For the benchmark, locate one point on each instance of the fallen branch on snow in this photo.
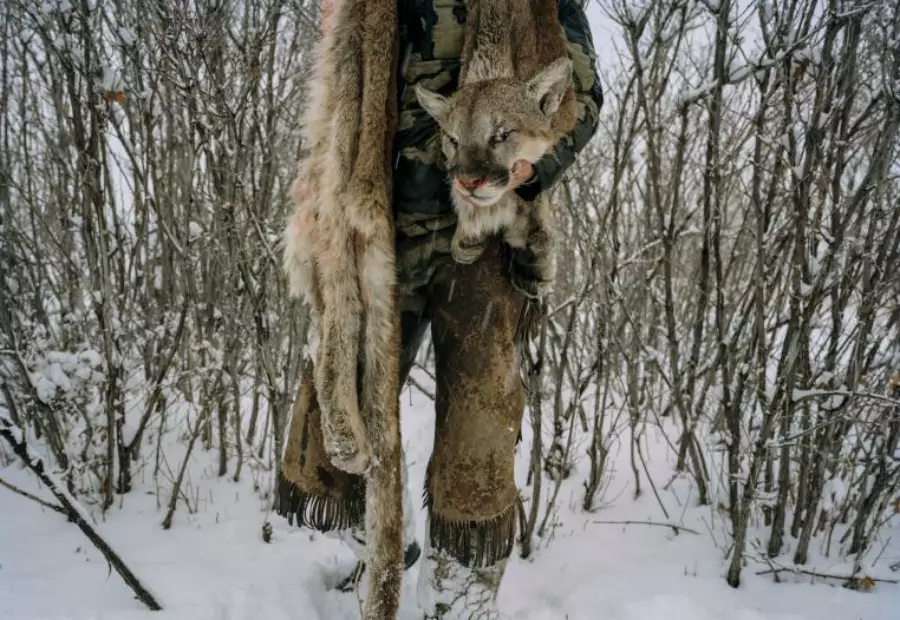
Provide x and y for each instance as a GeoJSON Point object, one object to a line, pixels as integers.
{"type": "Point", "coordinates": [14, 436]}
{"type": "Point", "coordinates": [803, 571]}
{"type": "Point", "coordinates": [676, 528]}
{"type": "Point", "coordinates": [34, 498]}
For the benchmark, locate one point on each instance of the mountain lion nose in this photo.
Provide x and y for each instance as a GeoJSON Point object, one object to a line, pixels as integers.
{"type": "Point", "coordinates": [471, 183]}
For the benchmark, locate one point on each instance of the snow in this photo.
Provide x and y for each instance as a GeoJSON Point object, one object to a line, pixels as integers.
{"type": "Point", "coordinates": [213, 565]}
{"type": "Point", "coordinates": [44, 387]}
{"type": "Point", "coordinates": [55, 6]}
{"type": "Point", "coordinates": [92, 358]}
{"type": "Point", "coordinates": [109, 79]}
{"type": "Point", "coordinates": [833, 494]}
{"type": "Point", "coordinates": [195, 230]}
{"type": "Point", "coordinates": [126, 35]}
{"type": "Point", "coordinates": [58, 373]}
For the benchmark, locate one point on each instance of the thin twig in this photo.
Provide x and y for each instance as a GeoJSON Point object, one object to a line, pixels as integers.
{"type": "Point", "coordinates": [34, 498]}
{"type": "Point", "coordinates": [799, 395]}
{"type": "Point", "coordinates": [420, 387]}
{"type": "Point", "coordinates": [812, 573]}
{"type": "Point", "coordinates": [677, 528]}
{"type": "Point", "coordinates": [160, 376]}
{"type": "Point", "coordinates": [426, 371]}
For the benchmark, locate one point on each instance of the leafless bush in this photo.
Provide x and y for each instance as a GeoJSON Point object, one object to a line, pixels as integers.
{"type": "Point", "coordinates": [737, 232]}
{"type": "Point", "coordinates": [148, 150]}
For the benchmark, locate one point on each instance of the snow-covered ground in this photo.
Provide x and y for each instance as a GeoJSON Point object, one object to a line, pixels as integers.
{"type": "Point", "coordinates": [213, 565]}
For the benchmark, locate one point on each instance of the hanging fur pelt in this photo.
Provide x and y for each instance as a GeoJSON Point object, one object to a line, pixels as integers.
{"type": "Point", "coordinates": [339, 256]}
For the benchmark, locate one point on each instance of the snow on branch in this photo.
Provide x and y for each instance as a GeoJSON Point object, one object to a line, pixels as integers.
{"type": "Point", "coordinates": [799, 394]}
{"type": "Point", "coordinates": [736, 76]}
{"type": "Point", "coordinates": [800, 51]}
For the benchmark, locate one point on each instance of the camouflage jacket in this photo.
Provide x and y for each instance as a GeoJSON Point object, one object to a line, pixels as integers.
{"type": "Point", "coordinates": [431, 37]}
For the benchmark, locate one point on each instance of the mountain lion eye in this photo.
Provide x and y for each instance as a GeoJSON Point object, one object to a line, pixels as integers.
{"type": "Point", "coordinates": [452, 140]}
{"type": "Point", "coordinates": [501, 135]}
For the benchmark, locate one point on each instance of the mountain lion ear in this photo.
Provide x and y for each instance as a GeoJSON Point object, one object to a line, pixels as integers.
{"type": "Point", "coordinates": [436, 105]}
{"type": "Point", "coordinates": [549, 86]}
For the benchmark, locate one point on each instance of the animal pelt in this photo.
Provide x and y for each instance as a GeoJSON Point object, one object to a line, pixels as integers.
{"type": "Point", "coordinates": [518, 39]}
{"type": "Point", "coordinates": [339, 256]}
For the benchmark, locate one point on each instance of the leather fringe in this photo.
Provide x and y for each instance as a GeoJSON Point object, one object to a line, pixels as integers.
{"type": "Point", "coordinates": [318, 512]}
{"type": "Point", "coordinates": [477, 544]}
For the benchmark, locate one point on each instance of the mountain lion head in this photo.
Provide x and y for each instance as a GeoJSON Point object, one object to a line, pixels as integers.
{"type": "Point", "coordinates": [487, 126]}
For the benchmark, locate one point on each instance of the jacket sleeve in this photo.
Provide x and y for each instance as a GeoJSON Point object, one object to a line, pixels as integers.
{"type": "Point", "coordinates": [588, 93]}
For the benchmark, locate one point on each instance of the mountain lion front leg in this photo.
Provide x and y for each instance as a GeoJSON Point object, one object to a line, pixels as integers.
{"type": "Point", "coordinates": [532, 240]}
